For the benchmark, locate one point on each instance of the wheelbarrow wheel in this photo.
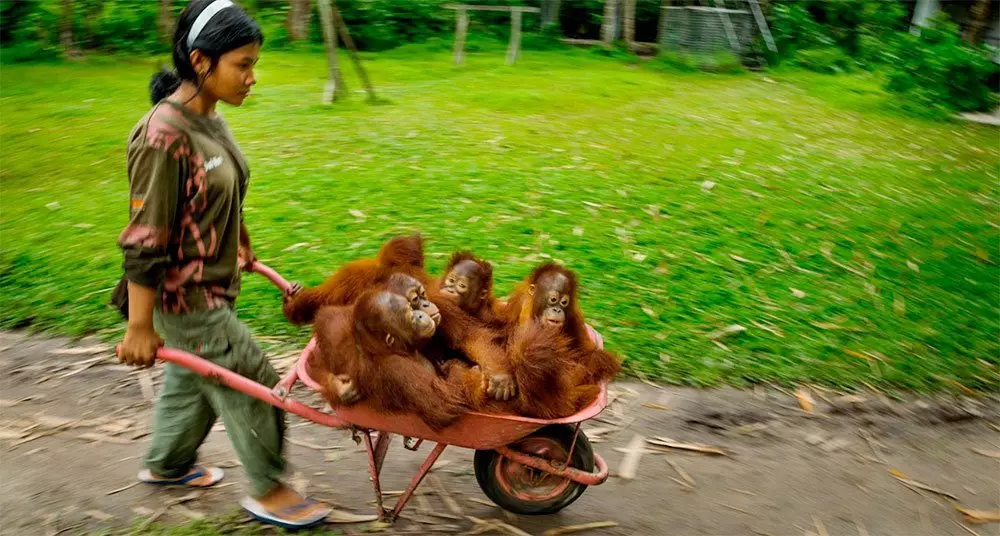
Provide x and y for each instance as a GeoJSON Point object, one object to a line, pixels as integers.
{"type": "Point", "coordinates": [527, 491]}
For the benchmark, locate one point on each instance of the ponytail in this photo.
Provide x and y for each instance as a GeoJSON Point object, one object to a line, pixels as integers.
{"type": "Point", "coordinates": [163, 84]}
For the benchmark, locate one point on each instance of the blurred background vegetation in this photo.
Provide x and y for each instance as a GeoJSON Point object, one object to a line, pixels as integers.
{"type": "Point", "coordinates": [820, 197]}
{"type": "Point", "coordinates": [945, 67]}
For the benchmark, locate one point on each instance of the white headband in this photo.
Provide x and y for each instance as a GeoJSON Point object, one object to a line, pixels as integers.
{"type": "Point", "coordinates": [203, 18]}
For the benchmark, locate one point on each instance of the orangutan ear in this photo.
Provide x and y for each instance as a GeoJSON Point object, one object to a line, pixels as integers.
{"type": "Point", "coordinates": [389, 339]}
{"type": "Point", "coordinates": [531, 290]}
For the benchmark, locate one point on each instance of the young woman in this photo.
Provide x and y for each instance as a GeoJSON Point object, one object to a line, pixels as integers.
{"type": "Point", "coordinates": [184, 247]}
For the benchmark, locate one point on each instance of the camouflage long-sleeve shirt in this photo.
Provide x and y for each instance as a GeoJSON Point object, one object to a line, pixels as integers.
{"type": "Point", "coordinates": [187, 182]}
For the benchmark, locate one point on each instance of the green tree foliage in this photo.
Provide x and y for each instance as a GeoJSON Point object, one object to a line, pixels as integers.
{"type": "Point", "coordinates": [937, 72]}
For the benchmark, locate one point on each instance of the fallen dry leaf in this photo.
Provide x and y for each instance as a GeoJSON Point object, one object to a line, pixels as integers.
{"type": "Point", "coordinates": [797, 293]}
{"type": "Point", "coordinates": [630, 463]}
{"type": "Point", "coordinates": [145, 377]}
{"type": "Point", "coordinates": [961, 526]}
{"type": "Point", "coordinates": [342, 517]}
{"type": "Point", "coordinates": [123, 488]}
{"type": "Point", "coordinates": [88, 350]}
{"type": "Point", "coordinates": [982, 254]}
{"type": "Point", "coordinates": [913, 266]}
{"type": "Point", "coordinates": [99, 515]}
{"type": "Point", "coordinates": [899, 305]}
{"type": "Point", "coordinates": [683, 474]}
{"type": "Point", "coordinates": [357, 213]}
{"type": "Point", "coordinates": [189, 513]}
{"type": "Point", "coordinates": [820, 528]}
{"type": "Point", "coordinates": [979, 516]}
{"type": "Point", "coordinates": [707, 185]}
{"type": "Point", "coordinates": [105, 439]}
{"type": "Point", "coordinates": [737, 258]}
{"type": "Point", "coordinates": [651, 313]}
{"type": "Point", "coordinates": [10, 434]}
{"type": "Point", "coordinates": [734, 329]}
{"type": "Point", "coordinates": [988, 453]}
{"type": "Point", "coordinates": [313, 446]}
{"type": "Point", "coordinates": [806, 401]}
{"type": "Point", "coordinates": [921, 485]}
{"type": "Point", "coordinates": [446, 497]}
{"type": "Point", "coordinates": [655, 406]}
{"type": "Point", "coordinates": [52, 421]}
{"type": "Point", "coordinates": [670, 443]}
{"type": "Point", "coordinates": [573, 529]}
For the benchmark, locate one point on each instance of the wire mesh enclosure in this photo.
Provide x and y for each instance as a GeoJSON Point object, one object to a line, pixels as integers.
{"type": "Point", "coordinates": [701, 29]}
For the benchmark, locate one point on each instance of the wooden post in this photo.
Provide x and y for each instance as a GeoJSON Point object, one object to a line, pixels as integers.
{"type": "Point", "coordinates": [352, 52]}
{"type": "Point", "coordinates": [298, 20]}
{"type": "Point", "coordinates": [334, 83]}
{"type": "Point", "coordinates": [629, 34]}
{"type": "Point", "coordinates": [609, 24]}
{"type": "Point", "coordinates": [461, 28]}
{"type": "Point", "coordinates": [762, 24]}
{"type": "Point", "coordinates": [66, 29]}
{"type": "Point", "coordinates": [734, 42]}
{"type": "Point", "coordinates": [514, 48]}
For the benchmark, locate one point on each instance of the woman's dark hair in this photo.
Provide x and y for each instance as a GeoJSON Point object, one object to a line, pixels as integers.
{"type": "Point", "coordinates": [229, 29]}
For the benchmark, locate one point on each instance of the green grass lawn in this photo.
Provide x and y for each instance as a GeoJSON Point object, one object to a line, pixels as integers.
{"type": "Point", "coordinates": [852, 243]}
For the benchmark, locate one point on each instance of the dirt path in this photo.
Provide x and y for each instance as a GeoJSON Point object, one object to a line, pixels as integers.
{"type": "Point", "coordinates": [788, 473]}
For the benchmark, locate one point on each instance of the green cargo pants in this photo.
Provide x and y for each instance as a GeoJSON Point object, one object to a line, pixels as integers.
{"type": "Point", "coordinates": [189, 404]}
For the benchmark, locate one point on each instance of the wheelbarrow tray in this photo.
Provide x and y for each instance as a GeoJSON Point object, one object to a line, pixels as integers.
{"type": "Point", "coordinates": [474, 430]}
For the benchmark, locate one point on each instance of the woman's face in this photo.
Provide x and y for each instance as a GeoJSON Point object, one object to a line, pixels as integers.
{"type": "Point", "coordinates": [231, 79]}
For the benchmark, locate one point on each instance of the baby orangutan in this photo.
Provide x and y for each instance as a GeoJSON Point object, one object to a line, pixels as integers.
{"type": "Point", "coordinates": [557, 367]}
{"type": "Point", "coordinates": [376, 343]}
{"type": "Point", "coordinates": [465, 296]}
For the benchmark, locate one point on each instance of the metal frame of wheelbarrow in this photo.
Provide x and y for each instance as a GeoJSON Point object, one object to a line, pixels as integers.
{"type": "Point", "coordinates": [473, 430]}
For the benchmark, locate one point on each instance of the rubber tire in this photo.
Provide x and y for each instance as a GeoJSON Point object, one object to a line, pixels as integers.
{"type": "Point", "coordinates": [583, 459]}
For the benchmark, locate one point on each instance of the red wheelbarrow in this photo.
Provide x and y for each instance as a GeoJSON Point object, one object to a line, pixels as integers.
{"type": "Point", "coordinates": [526, 466]}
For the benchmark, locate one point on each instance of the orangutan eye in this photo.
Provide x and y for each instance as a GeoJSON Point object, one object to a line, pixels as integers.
{"type": "Point", "coordinates": [564, 302]}
{"type": "Point", "coordinates": [553, 300]}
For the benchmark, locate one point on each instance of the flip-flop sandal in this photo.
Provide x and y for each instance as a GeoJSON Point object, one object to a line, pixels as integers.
{"type": "Point", "coordinates": [215, 473]}
{"type": "Point", "coordinates": [258, 512]}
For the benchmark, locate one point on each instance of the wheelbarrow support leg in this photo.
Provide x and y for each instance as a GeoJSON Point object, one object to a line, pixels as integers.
{"type": "Point", "coordinates": [572, 446]}
{"type": "Point", "coordinates": [381, 447]}
{"type": "Point", "coordinates": [373, 470]}
{"type": "Point", "coordinates": [417, 479]}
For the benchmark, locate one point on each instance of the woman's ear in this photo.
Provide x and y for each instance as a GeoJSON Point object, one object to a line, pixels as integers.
{"type": "Point", "coordinates": [201, 63]}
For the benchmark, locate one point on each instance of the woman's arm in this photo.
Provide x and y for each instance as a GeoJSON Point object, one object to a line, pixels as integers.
{"type": "Point", "coordinates": [154, 174]}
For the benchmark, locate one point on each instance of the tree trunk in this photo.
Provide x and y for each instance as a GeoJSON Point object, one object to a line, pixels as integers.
{"type": "Point", "coordinates": [609, 23]}
{"type": "Point", "coordinates": [66, 29]}
{"type": "Point", "coordinates": [629, 16]}
{"type": "Point", "coordinates": [977, 21]}
{"type": "Point", "coordinates": [335, 82]}
{"type": "Point", "coordinates": [298, 20]}
{"type": "Point", "coordinates": [166, 21]}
